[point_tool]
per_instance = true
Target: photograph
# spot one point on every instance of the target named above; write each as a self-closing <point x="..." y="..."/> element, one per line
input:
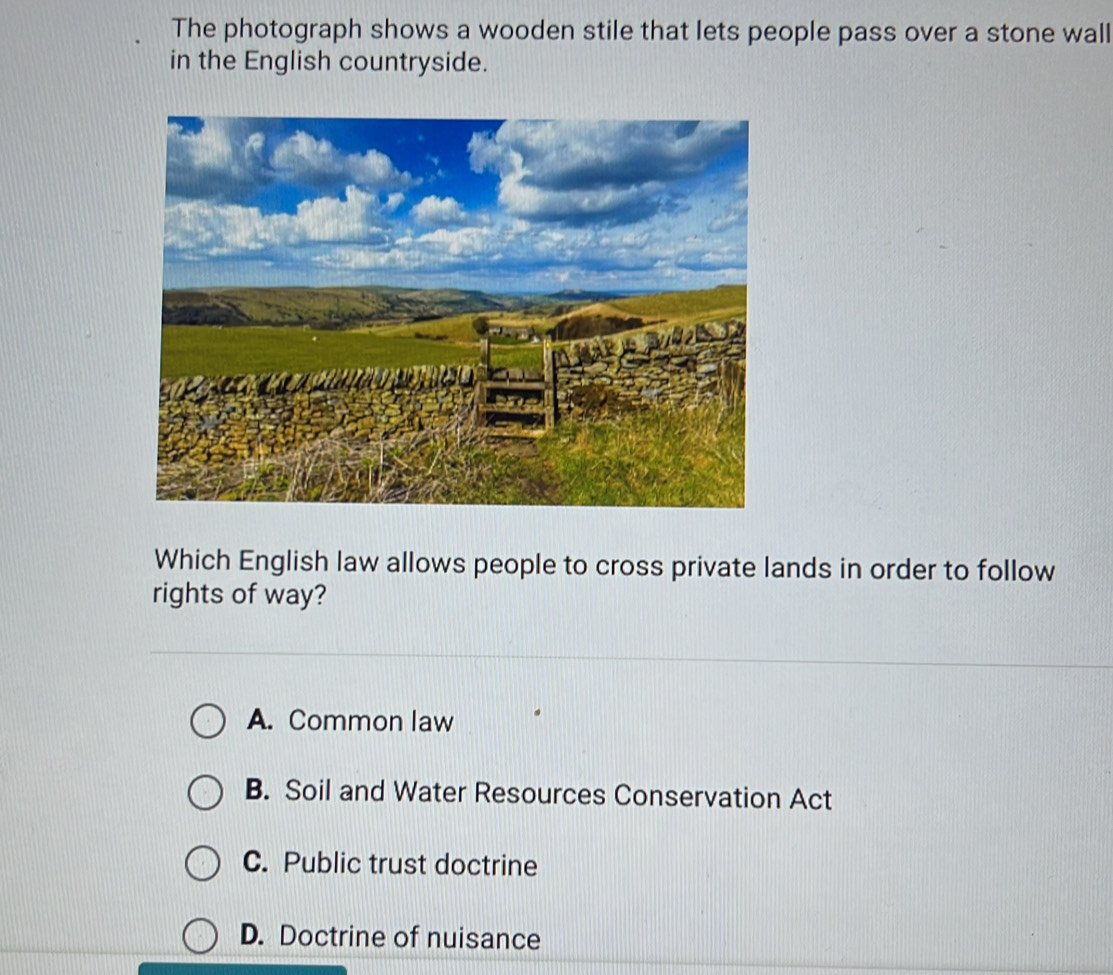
<point x="445" y="311"/>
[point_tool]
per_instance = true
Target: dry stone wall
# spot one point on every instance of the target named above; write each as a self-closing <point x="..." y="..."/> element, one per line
<point x="677" y="367"/>
<point x="207" y="420"/>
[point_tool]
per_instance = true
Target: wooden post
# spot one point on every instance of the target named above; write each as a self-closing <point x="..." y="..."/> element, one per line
<point x="484" y="357"/>
<point x="550" y="385"/>
<point x="482" y="371"/>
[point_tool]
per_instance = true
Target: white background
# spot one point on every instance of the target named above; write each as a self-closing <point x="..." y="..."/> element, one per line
<point x="929" y="346"/>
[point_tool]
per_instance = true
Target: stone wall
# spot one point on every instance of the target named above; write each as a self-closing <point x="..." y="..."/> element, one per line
<point x="208" y="420"/>
<point x="678" y="367"/>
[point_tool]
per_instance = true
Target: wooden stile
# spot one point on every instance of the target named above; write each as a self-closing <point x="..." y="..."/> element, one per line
<point x="512" y="407"/>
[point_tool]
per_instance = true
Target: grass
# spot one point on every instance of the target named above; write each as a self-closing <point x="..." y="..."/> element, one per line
<point x="678" y="307"/>
<point x="209" y="350"/>
<point x="240" y="350"/>
<point x="517" y="356"/>
<point x="658" y="457"/>
<point x="214" y="350"/>
<point x="456" y="328"/>
<point x="726" y="298"/>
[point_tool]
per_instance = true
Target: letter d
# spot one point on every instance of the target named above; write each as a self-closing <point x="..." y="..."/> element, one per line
<point x="249" y="934"/>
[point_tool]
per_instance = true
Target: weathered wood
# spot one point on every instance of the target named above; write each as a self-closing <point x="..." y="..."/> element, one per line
<point x="513" y="409"/>
<point x="538" y="395"/>
<point x="531" y="433"/>
<point x="502" y="385"/>
<point x="484" y="368"/>
<point x="550" y="385"/>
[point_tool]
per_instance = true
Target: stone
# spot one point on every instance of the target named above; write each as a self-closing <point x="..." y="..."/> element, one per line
<point x="210" y="419"/>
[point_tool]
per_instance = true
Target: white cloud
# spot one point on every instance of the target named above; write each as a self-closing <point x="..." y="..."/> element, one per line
<point x="596" y="171"/>
<point x="213" y="230"/>
<point x="368" y="259"/>
<point x="218" y="230"/>
<point x="437" y="211"/>
<point x="432" y="252"/>
<point x="578" y="205"/>
<point x="736" y="210"/>
<point x="224" y="158"/>
<point x="328" y="218"/>
<point x="732" y="216"/>
<point x="460" y="241"/>
<point x="228" y="159"/>
<point x="622" y="205"/>
<point x="301" y="158"/>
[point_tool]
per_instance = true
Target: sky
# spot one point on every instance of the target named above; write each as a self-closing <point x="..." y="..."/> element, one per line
<point x="510" y="206"/>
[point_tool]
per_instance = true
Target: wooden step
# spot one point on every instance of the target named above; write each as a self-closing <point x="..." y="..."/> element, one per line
<point x="512" y="409"/>
<point x="531" y="433"/>
<point x="530" y="418"/>
<point x="522" y="384"/>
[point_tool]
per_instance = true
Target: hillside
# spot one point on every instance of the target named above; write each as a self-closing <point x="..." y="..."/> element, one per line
<point x="327" y="307"/>
<point x="679" y="307"/>
<point x="645" y="311"/>
<point x="343" y="328"/>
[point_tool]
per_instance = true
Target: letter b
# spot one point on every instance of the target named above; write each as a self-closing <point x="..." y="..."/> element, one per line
<point x="254" y="788"/>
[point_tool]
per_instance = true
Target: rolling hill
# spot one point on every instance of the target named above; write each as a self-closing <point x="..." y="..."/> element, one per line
<point x="326" y="307"/>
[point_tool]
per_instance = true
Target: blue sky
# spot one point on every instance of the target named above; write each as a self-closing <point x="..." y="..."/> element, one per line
<point x="498" y="205"/>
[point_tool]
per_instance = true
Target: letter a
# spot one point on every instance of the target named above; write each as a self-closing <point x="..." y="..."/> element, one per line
<point x="463" y="32"/>
<point x="258" y="721"/>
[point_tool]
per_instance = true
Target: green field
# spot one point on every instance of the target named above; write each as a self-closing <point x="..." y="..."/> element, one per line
<point x="671" y="458"/>
<point x="653" y="457"/>
<point x="241" y="349"/>
<point x="210" y="350"/>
